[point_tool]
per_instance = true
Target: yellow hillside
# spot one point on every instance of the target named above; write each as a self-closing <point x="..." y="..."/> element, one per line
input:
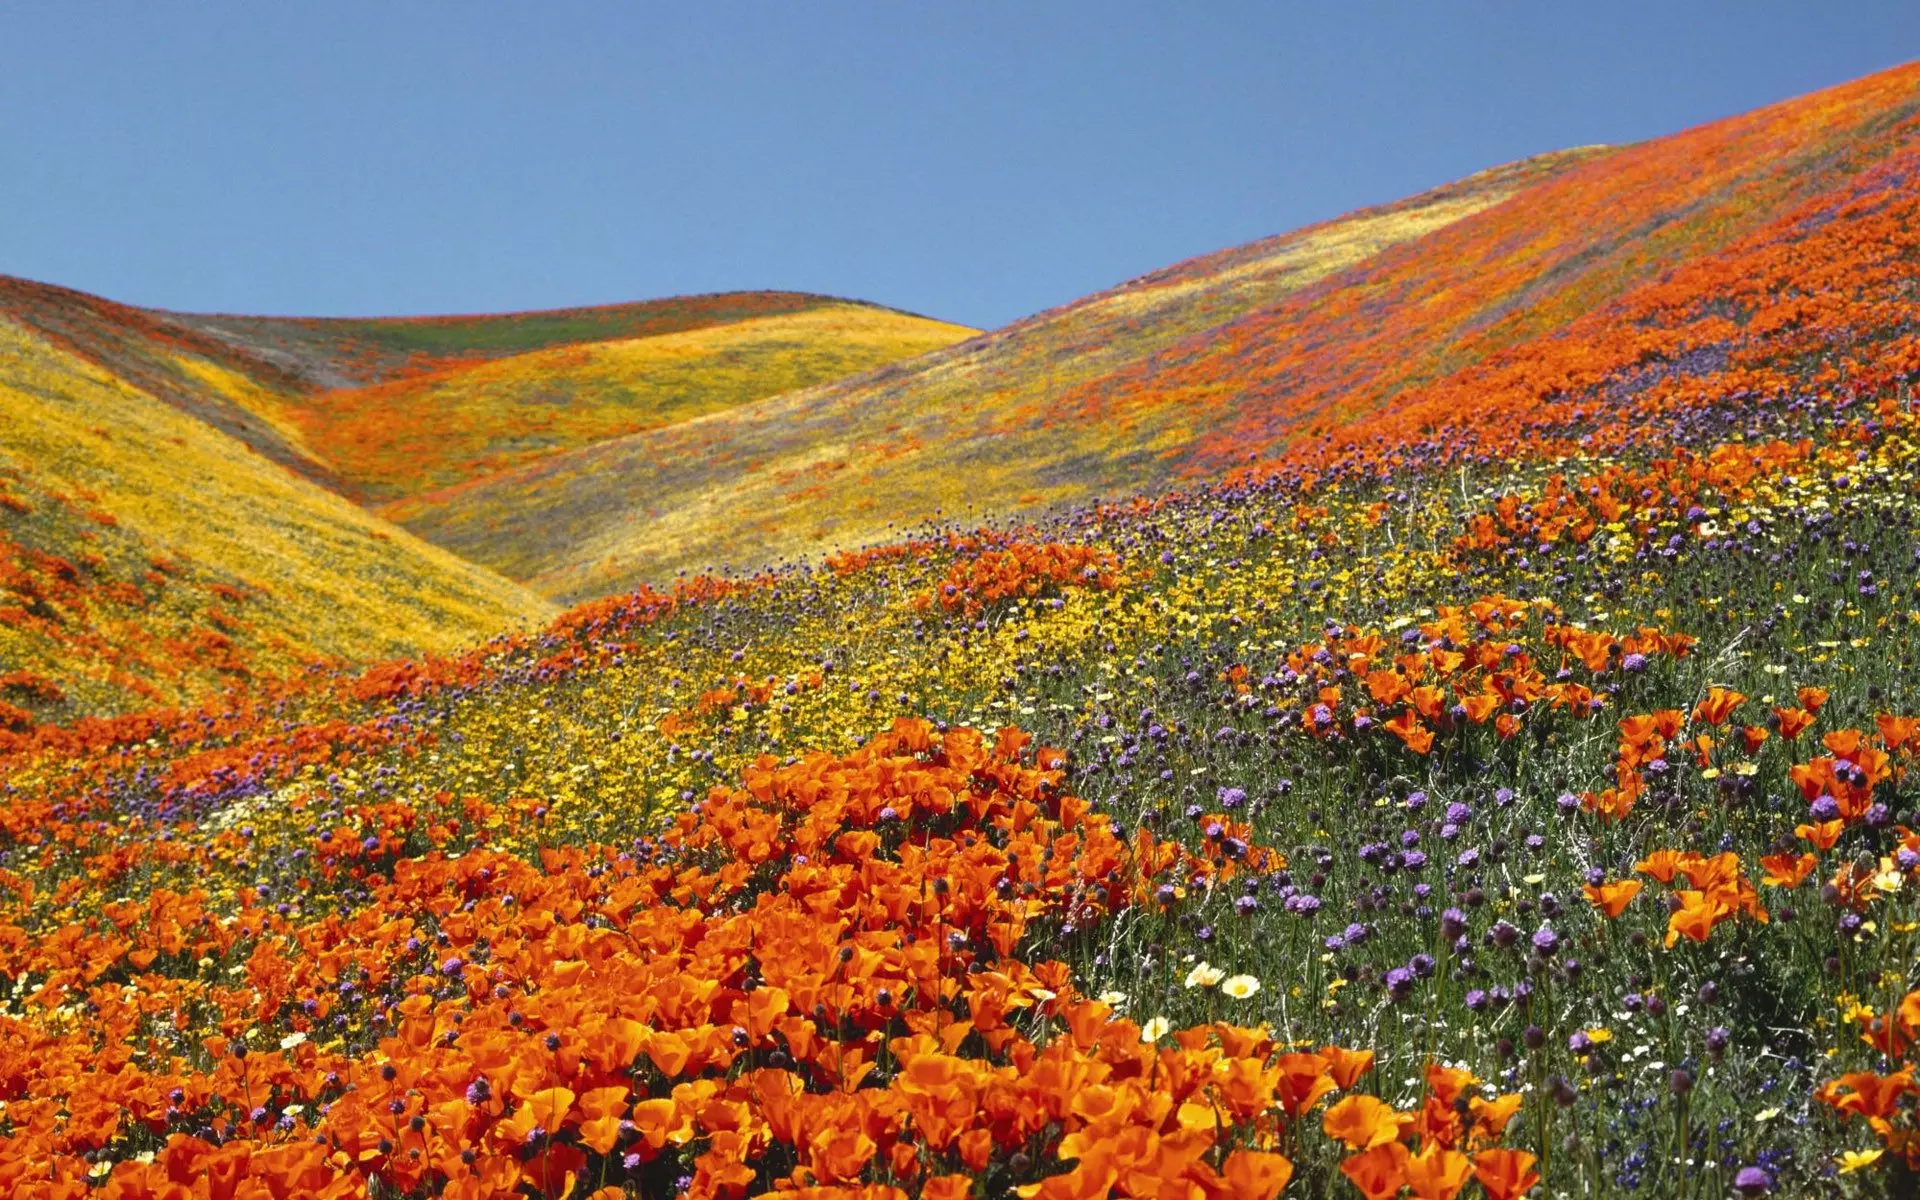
<point x="408" y="436"/>
<point x="147" y="557"/>
<point x="970" y="429"/>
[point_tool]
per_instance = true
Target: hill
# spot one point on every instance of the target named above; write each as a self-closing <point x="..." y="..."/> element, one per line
<point x="380" y="408"/>
<point x="1509" y="790"/>
<point x="147" y="558"/>
<point x="836" y="465"/>
<point x="1184" y="373"/>
<point x="138" y="438"/>
<point x="441" y="428"/>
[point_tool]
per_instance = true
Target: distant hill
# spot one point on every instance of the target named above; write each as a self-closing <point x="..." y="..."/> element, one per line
<point x="148" y="558"/>
<point x="834" y="465"/>
<point x="1280" y="350"/>
<point x="446" y="426"/>
<point x="153" y="550"/>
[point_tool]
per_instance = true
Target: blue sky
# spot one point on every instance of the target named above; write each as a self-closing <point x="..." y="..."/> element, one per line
<point x="974" y="161"/>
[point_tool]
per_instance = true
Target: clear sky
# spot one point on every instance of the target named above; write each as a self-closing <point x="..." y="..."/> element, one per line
<point x="975" y="161"/>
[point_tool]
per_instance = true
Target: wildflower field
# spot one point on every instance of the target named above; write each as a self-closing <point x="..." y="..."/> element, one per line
<point x="1503" y="791"/>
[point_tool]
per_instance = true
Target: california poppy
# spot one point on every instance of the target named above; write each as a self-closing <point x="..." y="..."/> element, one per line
<point x="1257" y="1175"/>
<point x="1506" y="1174"/>
<point x="1792" y="721"/>
<point x="1304" y="1079"/>
<point x="1612" y="898"/>
<point x="1719" y="704"/>
<point x="1363" y="1121"/>
<point x="1787" y="870"/>
<point x="1347" y="1065"/>
<point x="1437" y="1173"/>
<point x="1379" y="1172"/>
<point x="1697" y="915"/>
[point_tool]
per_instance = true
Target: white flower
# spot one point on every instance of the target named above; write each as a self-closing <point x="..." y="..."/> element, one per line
<point x="1113" y="999"/>
<point x="291" y="1040"/>
<point x="1204" y="974"/>
<point x="1155" y="1029"/>
<point x="1241" y="986"/>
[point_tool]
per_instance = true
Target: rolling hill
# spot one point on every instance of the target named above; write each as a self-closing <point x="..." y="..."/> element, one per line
<point x="1279" y="350"/>
<point x="1505" y="785"/>
<point x="147" y="558"/>
<point x="167" y="532"/>
<point x="442" y="428"/>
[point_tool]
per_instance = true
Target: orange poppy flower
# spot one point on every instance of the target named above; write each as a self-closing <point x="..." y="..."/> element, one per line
<point x="1909" y="1014"/>
<point x="1257" y="1175"/>
<point x="1480" y="706"/>
<point x="1821" y="836"/>
<point x="1844" y="743"/>
<point x="1867" y="1094"/>
<point x="1793" y="721"/>
<point x="1304" y="1079"/>
<point x="1363" y="1122"/>
<point x="1787" y="870"/>
<point x="1639" y="729"/>
<point x="1612" y="898"/>
<point x="1379" y="1172"/>
<point x="1428" y="701"/>
<point x="1409" y="729"/>
<point x="1812" y="698"/>
<point x="839" y="1152"/>
<point x="1386" y="687"/>
<point x="947" y="1187"/>
<point x="1718" y="706"/>
<point x="1505" y="1174"/>
<point x="603" y="1108"/>
<point x="1347" y="1065"/>
<point x="1897" y="732"/>
<point x="1437" y="1173"/>
<point x="1697" y="915"/>
<point x="1663" y="865"/>
<point x="1491" y="1117"/>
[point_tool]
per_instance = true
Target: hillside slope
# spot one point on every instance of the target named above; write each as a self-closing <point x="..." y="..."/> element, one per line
<point x="242" y="394"/>
<point x="1515" y="793"/>
<point x="445" y="427"/>
<point x="148" y="558"/>
<point x="837" y="464"/>
<point x="382" y="408"/>
<point x="1182" y="374"/>
<point x="326" y="353"/>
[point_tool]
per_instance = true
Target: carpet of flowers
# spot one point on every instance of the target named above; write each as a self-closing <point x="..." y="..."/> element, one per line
<point x="1510" y="797"/>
